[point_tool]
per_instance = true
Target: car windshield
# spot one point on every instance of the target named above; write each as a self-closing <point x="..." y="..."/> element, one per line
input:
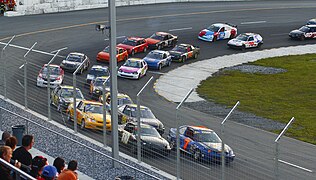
<point x="68" y="93"/>
<point x="92" y="108"/>
<point x="157" y="36"/>
<point x="122" y="101"/>
<point x="107" y="49"/>
<point x="304" y="29"/>
<point x="242" y="37"/>
<point x="135" y="64"/>
<point x="149" y="131"/>
<point x="213" y="28"/>
<point x="99" y="82"/>
<point x="179" y="49"/>
<point x="154" y="55"/>
<point x="74" y="58"/>
<point x="53" y="70"/>
<point x="129" y="42"/>
<point x="207" y="136"/>
<point x="99" y="72"/>
<point x="144" y="113"/>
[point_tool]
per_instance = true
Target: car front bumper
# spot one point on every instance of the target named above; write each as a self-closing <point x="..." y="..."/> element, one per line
<point x="127" y="75"/>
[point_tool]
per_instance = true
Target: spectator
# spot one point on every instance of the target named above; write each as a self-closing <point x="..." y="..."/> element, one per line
<point x="49" y="173"/>
<point x="5" y="154"/>
<point x="5" y="136"/>
<point x="69" y="173"/>
<point x="22" y="153"/>
<point x="11" y="142"/>
<point x="59" y="163"/>
<point x="38" y="163"/>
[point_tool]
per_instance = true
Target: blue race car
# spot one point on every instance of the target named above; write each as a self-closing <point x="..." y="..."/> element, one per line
<point x="156" y="59"/>
<point x="201" y="142"/>
<point x="218" y="31"/>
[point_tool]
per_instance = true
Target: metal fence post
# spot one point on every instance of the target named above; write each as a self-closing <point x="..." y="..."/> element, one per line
<point x="177" y="133"/>
<point x="223" y="144"/>
<point x="5" y="68"/>
<point x="1" y="118"/>
<point x="138" y="121"/>
<point x="276" y="165"/>
<point x="104" y="115"/>
<point x="25" y="75"/>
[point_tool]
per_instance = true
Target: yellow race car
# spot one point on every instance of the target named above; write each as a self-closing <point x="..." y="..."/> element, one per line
<point x="89" y="115"/>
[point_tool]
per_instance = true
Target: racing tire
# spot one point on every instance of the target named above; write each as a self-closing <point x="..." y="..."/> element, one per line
<point x="197" y="155"/>
<point x="132" y="53"/>
<point x="169" y="63"/>
<point x="159" y="67"/>
<point x="214" y="38"/>
<point x="243" y="48"/>
<point x="83" y="124"/>
<point x="259" y="45"/>
<point x="195" y="56"/>
<point x="302" y="38"/>
<point x="145" y="49"/>
<point x="183" y="59"/>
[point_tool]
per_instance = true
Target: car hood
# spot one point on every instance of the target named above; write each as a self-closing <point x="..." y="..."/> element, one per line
<point x="236" y="41"/>
<point x="125" y="46"/>
<point x="151" y="60"/>
<point x="152" y="41"/>
<point x="175" y="53"/>
<point x="70" y="62"/>
<point x="128" y="69"/>
<point x="51" y="76"/>
<point x="296" y="31"/>
<point x="216" y="146"/>
<point x="104" y="55"/>
<point x="155" y="141"/>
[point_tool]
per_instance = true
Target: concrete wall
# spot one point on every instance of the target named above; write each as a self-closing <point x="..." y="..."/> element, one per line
<point x="28" y="7"/>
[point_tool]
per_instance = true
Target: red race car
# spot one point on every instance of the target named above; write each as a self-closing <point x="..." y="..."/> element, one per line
<point x="160" y="40"/>
<point x="134" y="45"/>
<point x="104" y="56"/>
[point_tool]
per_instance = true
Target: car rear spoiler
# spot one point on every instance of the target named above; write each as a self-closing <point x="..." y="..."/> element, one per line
<point x="232" y="25"/>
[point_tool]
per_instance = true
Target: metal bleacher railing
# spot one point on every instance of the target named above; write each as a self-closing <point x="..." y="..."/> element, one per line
<point x="17" y="171"/>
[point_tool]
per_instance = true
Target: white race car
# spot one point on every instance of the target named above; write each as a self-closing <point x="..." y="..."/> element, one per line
<point x="133" y="68"/>
<point x="246" y="40"/>
<point x="56" y="76"/>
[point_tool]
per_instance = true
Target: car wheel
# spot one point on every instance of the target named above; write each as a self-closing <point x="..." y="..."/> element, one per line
<point x="259" y="45"/>
<point x="302" y="38"/>
<point x="197" y="154"/>
<point x="83" y="124"/>
<point x="169" y="63"/>
<point x="183" y="59"/>
<point x="133" y="53"/>
<point x="159" y="67"/>
<point x="195" y="56"/>
<point x="243" y="47"/>
<point x="214" y="38"/>
<point x="145" y="49"/>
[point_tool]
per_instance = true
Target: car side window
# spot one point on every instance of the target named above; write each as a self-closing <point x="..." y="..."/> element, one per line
<point x="189" y="133"/>
<point x="222" y="29"/>
<point x="127" y="111"/>
<point x="79" y="106"/>
<point x="129" y="128"/>
<point x="120" y="51"/>
<point x="250" y="39"/>
<point x="164" y="56"/>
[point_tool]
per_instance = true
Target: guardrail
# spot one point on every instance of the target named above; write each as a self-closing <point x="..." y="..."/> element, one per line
<point x="18" y="173"/>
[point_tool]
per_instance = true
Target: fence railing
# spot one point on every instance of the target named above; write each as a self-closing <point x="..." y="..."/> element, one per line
<point x="19" y="174"/>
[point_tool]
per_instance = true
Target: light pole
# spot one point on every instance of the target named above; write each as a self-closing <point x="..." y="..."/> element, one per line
<point x="138" y="121"/>
<point x="4" y="67"/>
<point x="25" y="74"/>
<point x="223" y="144"/>
<point x="177" y="133"/>
<point x="75" y="94"/>
<point x="48" y="81"/>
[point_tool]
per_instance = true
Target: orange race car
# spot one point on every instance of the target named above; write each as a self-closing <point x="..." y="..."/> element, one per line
<point x="104" y="56"/>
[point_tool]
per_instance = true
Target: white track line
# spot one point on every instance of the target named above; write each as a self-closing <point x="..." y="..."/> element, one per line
<point x="254" y="22"/>
<point x="308" y="170"/>
<point x="116" y="38"/>
<point x="20" y="84"/>
<point x="180" y="29"/>
<point x="21" y="66"/>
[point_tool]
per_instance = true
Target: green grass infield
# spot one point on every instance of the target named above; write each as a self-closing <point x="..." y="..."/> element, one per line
<point x="278" y="97"/>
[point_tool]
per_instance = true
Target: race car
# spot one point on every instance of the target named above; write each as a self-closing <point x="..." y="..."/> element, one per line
<point x="56" y="76"/>
<point x="62" y="96"/>
<point x="134" y="45"/>
<point x="104" y="56"/>
<point x="73" y="61"/>
<point x="133" y="68"/>
<point x="122" y="99"/>
<point x="157" y="59"/>
<point x="97" y="71"/>
<point x="96" y="86"/>
<point x="89" y="115"/>
<point x="201" y="142"/>
<point x="159" y="40"/>
<point x="151" y="140"/>
<point x="218" y="31"/>
<point x="246" y="40"/>
<point x="182" y="52"/>
<point x="128" y="113"/>
<point x="305" y="32"/>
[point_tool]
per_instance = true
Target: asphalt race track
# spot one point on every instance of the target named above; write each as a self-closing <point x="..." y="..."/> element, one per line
<point x="254" y="148"/>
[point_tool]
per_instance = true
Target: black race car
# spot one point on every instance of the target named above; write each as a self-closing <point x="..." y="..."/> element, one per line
<point x="151" y="140"/>
<point x="159" y="40"/>
<point x="182" y="52"/>
<point x="73" y="61"/>
<point x="306" y="31"/>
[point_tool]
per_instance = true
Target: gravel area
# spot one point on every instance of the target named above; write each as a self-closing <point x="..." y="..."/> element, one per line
<point x="238" y="116"/>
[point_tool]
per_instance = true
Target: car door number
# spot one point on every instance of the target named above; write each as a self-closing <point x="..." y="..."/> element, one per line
<point x="186" y="143"/>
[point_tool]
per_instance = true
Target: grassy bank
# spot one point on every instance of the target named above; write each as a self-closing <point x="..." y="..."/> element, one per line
<point x="275" y="96"/>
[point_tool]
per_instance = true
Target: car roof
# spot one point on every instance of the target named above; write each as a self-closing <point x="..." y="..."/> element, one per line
<point x="162" y="33"/>
<point x="102" y="77"/>
<point x="99" y="67"/>
<point x="68" y="87"/>
<point x="92" y="102"/>
<point x="76" y="53"/>
<point x="185" y="45"/>
<point x="135" y="106"/>
<point x="157" y="51"/>
<point x="134" y="59"/>
<point x="135" y="38"/>
<point x="311" y="25"/>
<point x="51" y="65"/>
<point x="199" y="128"/>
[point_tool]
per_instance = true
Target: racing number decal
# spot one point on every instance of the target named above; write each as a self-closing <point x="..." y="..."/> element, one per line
<point x="190" y="54"/>
<point x="186" y="143"/>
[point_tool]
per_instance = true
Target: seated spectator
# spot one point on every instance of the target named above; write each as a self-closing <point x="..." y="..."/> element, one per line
<point x="38" y="163"/>
<point x="49" y="173"/>
<point x="69" y="173"/>
<point x="59" y="163"/>
<point x="5" y="136"/>
<point x="5" y="154"/>
<point x="11" y="142"/>
<point x="22" y="153"/>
